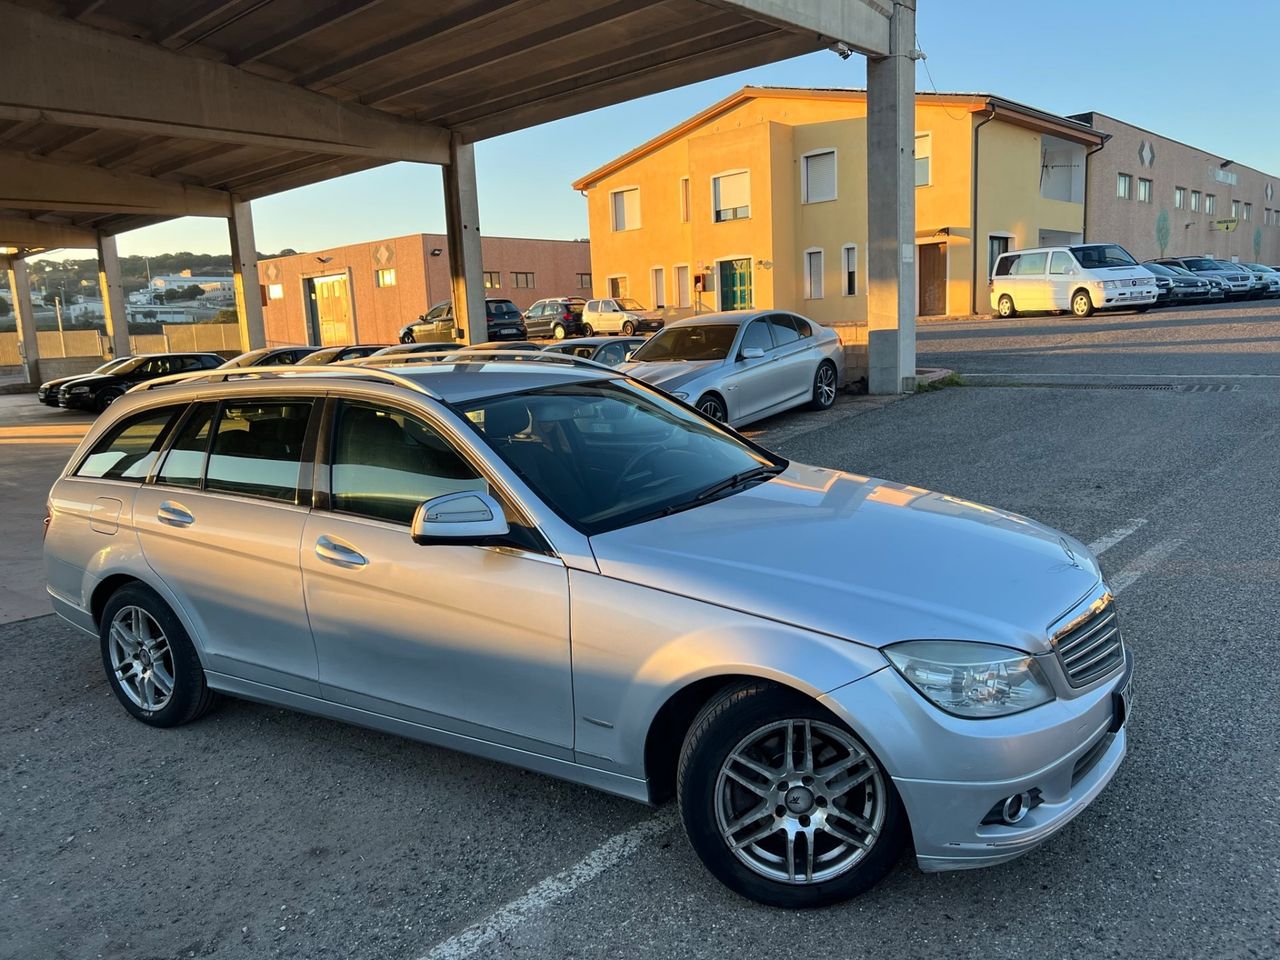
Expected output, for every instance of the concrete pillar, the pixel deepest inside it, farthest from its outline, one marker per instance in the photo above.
(20, 291)
(462, 224)
(891, 210)
(113, 298)
(244, 265)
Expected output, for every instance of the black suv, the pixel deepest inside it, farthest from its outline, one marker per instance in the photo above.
(97, 392)
(555, 318)
(438, 326)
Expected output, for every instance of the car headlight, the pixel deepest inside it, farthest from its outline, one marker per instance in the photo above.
(79, 390)
(679, 396)
(1109, 284)
(970, 679)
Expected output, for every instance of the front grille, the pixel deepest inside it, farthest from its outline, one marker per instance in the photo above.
(1091, 757)
(1089, 646)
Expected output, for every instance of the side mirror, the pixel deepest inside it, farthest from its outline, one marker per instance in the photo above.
(467, 517)
(752, 353)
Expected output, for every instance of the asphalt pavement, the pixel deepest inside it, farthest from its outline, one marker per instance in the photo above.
(260, 832)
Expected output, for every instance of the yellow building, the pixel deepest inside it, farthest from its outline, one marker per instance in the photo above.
(761, 201)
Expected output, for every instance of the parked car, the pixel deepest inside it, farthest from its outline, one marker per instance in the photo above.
(556, 318)
(611, 351)
(340, 353)
(618, 315)
(397, 349)
(741, 366)
(1177, 288)
(48, 391)
(438, 325)
(1239, 283)
(1272, 277)
(1081, 278)
(814, 708)
(504, 345)
(270, 357)
(1217, 287)
(98, 391)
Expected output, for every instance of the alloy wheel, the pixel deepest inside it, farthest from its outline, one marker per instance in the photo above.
(800, 801)
(826, 385)
(713, 408)
(141, 658)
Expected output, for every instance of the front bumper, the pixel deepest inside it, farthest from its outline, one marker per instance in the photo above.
(951, 772)
(76, 401)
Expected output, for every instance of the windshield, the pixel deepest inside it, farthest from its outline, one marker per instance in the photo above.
(128, 366)
(1159, 269)
(699, 341)
(1228, 265)
(247, 360)
(1180, 271)
(626, 303)
(1103, 255)
(1202, 263)
(111, 366)
(608, 453)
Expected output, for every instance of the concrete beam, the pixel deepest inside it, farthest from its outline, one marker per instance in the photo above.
(42, 184)
(296, 30)
(24, 233)
(891, 212)
(861, 24)
(20, 291)
(244, 266)
(113, 297)
(462, 226)
(123, 84)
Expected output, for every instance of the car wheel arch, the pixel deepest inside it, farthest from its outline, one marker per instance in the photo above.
(102, 592)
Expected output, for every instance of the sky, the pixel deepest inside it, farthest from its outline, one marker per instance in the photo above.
(1177, 67)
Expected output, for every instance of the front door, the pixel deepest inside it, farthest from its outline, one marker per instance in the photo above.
(472, 640)
(735, 284)
(933, 279)
(331, 303)
(756, 383)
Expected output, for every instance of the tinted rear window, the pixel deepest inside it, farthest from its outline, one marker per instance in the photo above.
(129, 448)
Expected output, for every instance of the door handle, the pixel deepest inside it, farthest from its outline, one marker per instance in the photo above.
(174, 514)
(333, 551)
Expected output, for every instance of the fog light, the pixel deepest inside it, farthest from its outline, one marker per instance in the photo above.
(1015, 808)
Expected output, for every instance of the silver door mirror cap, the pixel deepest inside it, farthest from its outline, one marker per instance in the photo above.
(466, 517)
(752, 353)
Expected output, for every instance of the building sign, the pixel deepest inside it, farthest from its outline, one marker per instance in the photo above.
(1227, 225)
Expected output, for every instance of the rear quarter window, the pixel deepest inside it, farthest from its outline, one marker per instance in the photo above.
(129, 449)
(1004, 266)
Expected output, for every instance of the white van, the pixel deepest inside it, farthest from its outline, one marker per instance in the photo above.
(1081, 278)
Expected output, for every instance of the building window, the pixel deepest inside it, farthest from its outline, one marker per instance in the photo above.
(385, 278)
(522, 281)
(658, 283)
(1235, 209)
(626, 208)
(492, 279)
(1144, 191)
(682, 285)
(849, 255)
(275, 291)
(731, 196)
(1248, 211)
(813, 274)
(684, 199)
(1179, 194)
(1124, 186)
(924, 159)
(997, 246)
(1210, 203)
(818, 177)
(1195, 201)
(584, 281)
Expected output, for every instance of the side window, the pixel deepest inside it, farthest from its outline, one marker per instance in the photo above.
(184, 463)
(784, 329)
(1060, 263)
(257, 448)
(1031, 264)
(384, 463)
(757, 335)
(128, 449)
(1004, 266)
(593, 306)
(610, 353)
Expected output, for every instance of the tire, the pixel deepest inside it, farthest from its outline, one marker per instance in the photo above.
(1081, 304)
(1005, 308)
(588, 330)
(108, 397)
(628, 328)
(825, 384)
(1142, 309)
(716, 789)
(137, 611)
(711, 405)
(557, 331)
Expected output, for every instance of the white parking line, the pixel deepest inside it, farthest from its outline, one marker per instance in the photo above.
(1144, 564)
(1110, 539)
(505, 919)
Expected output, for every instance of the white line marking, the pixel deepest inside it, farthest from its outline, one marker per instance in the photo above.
(505, 919)
(1144, 564)
(1110, 539)
(1132, 376)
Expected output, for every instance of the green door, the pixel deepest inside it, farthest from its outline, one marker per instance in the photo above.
(735, 284)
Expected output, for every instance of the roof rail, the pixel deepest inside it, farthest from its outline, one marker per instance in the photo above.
(488, 356)
(284, 372)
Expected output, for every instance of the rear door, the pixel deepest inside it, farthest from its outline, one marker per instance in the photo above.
(1033, 281)
(796, 355)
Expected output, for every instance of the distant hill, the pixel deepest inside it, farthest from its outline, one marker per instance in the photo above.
(81, 276)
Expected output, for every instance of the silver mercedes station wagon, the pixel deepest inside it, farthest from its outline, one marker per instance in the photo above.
(554, 565)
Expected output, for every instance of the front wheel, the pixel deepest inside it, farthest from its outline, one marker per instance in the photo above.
(108, 397)
(1081, 304)
(783, 803)
(588, 330)
(824, 386)
(1005, 308)
(712, 406)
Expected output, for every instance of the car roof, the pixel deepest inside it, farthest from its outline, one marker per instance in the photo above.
(727, 316)
(591, 341)
(463, 382)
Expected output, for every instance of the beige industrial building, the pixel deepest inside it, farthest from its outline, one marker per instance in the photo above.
(365, 292)
(1159, 197)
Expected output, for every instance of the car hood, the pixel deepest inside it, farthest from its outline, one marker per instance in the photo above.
(670, 374)
(63, 381)
(95, 380)
(1125, 273)
(862, 559)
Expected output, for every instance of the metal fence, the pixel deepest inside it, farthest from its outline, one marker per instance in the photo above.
(90, 343)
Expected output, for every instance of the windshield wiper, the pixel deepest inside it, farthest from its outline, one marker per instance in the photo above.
(740, 480)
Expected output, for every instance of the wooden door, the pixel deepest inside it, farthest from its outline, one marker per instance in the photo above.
(333, 310)
(932, 268)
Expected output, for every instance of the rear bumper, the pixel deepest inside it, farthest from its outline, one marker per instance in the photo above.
(495, 333)
(649, 326)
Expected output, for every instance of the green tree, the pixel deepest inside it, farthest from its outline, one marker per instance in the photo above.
(1162, 230)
